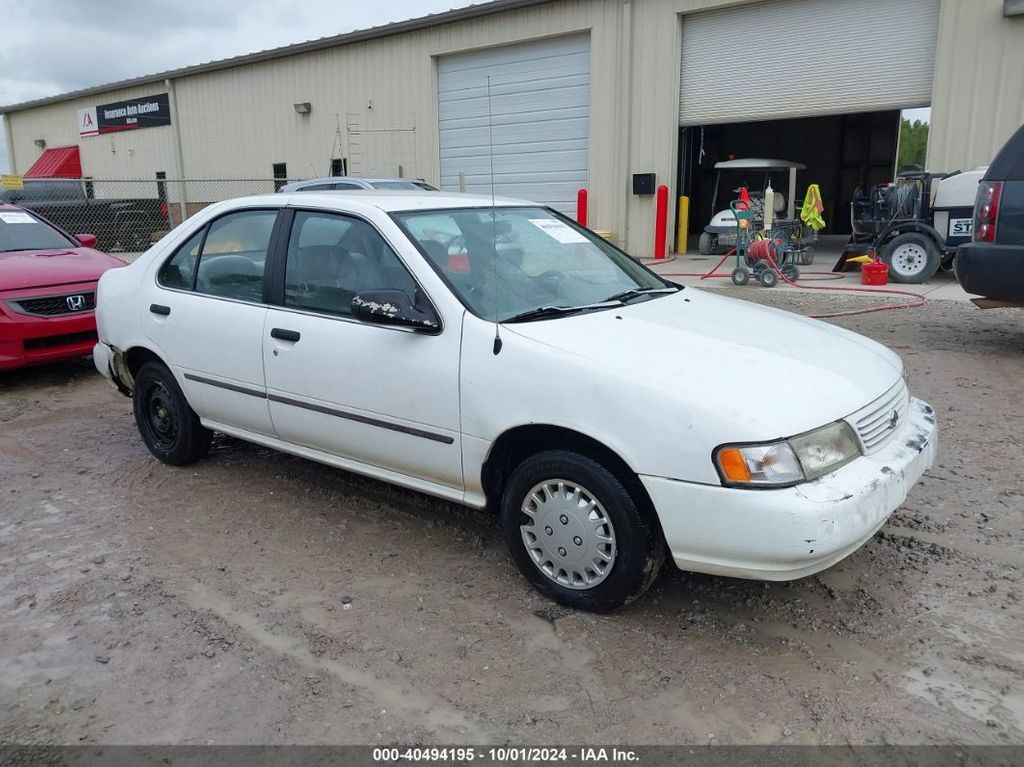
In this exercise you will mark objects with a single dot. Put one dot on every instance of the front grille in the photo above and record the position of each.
(874, 423)
(65, 339)
(52, 306)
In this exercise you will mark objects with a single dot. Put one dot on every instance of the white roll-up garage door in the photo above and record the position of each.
(799, 58)
(540, 106)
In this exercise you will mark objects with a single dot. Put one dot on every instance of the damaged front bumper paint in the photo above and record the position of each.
(788, 533)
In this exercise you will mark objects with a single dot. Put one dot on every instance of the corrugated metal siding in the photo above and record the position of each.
(540, 120)
(979, 84)
(797, 58)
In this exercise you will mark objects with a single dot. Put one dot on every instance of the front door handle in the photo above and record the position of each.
(160, 309)
(281, 334)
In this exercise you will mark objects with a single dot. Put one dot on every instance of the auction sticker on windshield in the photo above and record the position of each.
(558, 230)
(17, 217)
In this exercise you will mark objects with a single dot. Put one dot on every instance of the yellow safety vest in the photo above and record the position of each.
(812, 209)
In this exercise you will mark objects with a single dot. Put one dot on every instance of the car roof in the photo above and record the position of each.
(358, 200)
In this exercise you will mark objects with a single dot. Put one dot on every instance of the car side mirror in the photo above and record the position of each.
(86, 240)
(394, 307)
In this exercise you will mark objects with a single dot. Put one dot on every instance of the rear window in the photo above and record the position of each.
(20, 230)
(394, 185)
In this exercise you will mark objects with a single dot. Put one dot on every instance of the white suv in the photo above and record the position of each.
(505, 357)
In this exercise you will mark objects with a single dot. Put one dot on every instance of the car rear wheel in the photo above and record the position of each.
(168, 425)
(913, 258)
(578, 533)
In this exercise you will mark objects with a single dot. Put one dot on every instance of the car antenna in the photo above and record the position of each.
(494, 233)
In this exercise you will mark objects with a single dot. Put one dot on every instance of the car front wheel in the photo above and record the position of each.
(168, 425)
(578, 533)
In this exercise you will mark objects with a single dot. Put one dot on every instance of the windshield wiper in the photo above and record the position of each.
(546, 312)
(634, 292)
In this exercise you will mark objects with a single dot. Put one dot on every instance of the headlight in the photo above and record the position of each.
(825, 449)
(788, 462)
(770, 465)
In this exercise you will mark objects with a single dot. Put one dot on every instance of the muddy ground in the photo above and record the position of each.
(260, 598)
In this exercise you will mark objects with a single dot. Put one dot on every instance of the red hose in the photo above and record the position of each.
(919, 300)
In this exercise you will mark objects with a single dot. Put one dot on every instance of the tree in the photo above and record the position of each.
(913, 143)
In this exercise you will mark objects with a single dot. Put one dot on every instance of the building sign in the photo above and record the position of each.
(87, 122)
(145, 112)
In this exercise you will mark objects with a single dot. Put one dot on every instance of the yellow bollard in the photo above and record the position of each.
(682, 225)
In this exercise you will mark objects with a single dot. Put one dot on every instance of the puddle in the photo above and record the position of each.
(980, 705)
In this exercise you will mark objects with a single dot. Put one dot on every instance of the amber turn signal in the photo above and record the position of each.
(733, 466)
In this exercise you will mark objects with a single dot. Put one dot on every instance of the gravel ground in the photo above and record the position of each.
(260, 598)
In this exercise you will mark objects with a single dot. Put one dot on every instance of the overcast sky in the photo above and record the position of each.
(55, 46)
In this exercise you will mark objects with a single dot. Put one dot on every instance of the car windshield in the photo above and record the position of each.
(526, 263)
(23, 231)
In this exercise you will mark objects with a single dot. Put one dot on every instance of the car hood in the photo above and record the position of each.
(23, 269)
(777, 372)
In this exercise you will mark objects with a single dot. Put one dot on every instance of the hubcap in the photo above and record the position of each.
(568, 534)
(909, 259)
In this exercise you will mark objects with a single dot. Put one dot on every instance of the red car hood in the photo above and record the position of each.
(45, 268)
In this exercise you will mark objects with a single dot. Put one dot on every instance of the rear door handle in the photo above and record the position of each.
(285, 335)
(160, 309)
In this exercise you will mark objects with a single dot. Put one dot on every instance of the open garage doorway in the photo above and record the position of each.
(841, 152)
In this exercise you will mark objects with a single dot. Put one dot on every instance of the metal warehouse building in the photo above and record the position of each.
(584, 93)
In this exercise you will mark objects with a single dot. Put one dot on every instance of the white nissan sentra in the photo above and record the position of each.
(502, 356)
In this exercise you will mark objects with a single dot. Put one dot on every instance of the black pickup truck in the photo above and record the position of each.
(992, 264)
(117, 223)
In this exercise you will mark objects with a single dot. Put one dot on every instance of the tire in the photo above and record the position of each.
(791, 272)
(706, 244)
(912, 258)
(740, 276)
(168, 425)
(769, 278)
(557, 484)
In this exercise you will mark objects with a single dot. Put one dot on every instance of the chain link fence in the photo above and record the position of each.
(127, 215)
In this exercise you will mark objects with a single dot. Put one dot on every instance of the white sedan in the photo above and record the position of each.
(505, 357)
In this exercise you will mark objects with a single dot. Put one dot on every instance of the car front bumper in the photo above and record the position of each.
(28, 339)
(788, 533)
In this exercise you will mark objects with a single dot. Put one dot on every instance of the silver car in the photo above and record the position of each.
(333, 183)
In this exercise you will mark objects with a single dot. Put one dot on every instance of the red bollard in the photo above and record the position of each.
(661, 221)
(581, 207)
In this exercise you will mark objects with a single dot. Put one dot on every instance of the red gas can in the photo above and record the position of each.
(875, 273)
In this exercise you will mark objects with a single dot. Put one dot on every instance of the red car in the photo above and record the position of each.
(47, 290)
